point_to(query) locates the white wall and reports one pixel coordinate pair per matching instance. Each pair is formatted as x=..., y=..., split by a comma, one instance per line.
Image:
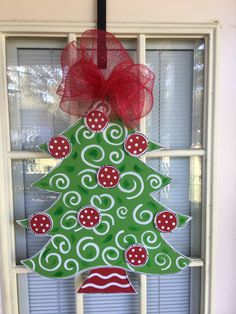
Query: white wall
x=176, y=11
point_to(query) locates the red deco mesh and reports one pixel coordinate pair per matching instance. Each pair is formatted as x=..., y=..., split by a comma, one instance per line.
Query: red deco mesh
x=127, y=87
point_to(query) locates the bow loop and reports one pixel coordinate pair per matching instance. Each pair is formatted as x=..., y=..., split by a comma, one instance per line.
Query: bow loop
x=127, y=87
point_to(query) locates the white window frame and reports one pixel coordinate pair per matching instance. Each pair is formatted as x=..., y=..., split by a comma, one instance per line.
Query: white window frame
x=210, y=33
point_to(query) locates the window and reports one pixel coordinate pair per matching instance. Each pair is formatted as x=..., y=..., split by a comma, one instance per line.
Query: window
x=178, y=121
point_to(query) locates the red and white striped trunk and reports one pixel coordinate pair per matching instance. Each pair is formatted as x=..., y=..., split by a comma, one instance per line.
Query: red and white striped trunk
x=107, y=280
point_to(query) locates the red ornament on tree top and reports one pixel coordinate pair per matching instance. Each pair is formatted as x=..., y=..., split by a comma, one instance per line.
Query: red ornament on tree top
x=96, y=120
x=108, y=177
x=136, y=255
x=89, y=217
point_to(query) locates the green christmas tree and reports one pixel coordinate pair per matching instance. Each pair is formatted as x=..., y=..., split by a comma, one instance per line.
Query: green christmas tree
x=105, y=215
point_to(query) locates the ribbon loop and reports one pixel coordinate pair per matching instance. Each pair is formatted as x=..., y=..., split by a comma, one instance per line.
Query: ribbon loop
x=127, y=87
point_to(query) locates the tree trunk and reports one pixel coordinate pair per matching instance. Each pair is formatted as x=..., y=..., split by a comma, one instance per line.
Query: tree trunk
x=107, y=280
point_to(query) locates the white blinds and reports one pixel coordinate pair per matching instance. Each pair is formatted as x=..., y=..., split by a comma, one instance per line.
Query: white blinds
x=32, y=80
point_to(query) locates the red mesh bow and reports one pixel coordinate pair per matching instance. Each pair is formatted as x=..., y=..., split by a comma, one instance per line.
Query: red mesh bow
x=126, y=86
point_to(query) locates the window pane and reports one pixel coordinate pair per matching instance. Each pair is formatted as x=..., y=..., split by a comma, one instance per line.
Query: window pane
x=176, y=119
x=34, y=73
x=183, y=195
x=172, y=293
x=38, y=295
x=28, y=200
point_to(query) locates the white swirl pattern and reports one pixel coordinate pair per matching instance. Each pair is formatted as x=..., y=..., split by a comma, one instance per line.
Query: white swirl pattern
x=164, y=261
x=82, y=247
x=155, y=181
x=137, y=181
x=106, y=255
x=150, y=240
x=85, y=133
x=138, y=215
x=60, y=180
x=71, y=199
x=88, y=178
x=122, y=212
x=116, y=134
x=99, y=200
x=69, y=220
x=117, y=157
x=95, y=162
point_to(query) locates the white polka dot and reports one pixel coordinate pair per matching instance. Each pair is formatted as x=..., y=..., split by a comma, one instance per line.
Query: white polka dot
x=102, y=175
x=99, y=114
x=115, y=177
x=108, y=176
x=159, y=221
x=140, y=149
x=91, y=223
x=47, y=225
x=90, y=120
x=63, y=141
x=36, y=229
x=93, y=126
x=111, y=183
x=51, y=146
x=85, y=211
x=96, y=217
x=82, y=216
x=129, y=147
x=59, y=147
x=41, y=225
x=113, y=170
x=106, y=169
x=166, y=221
x=104, y=183
x=164, y=216
x=133, y=250
x=96, y=120
x=130, y=255
x=88, y=217
x=66, y=147
x=91, y=211
x=84, y=222
x=139, y=261
x=55, y=141
x=102, y=119
x=135, y=152
x=173, y=223
x=93, y=114
x=168, y=228
x=171, y=217
x=136, y=144
x=143, y=142
x=34, y=225
x=99, y=126
x=162, y=227
x=35, y=219
x=56, y=153
x=132, y=261
x=137, y=137
x=136, y=255
x=140, y=250
x=43, y=230
x=131, y=140
x=63, y=153
x=143, y=256
x=44, y=218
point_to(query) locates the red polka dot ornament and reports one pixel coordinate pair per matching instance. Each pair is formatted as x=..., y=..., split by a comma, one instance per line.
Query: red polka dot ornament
x=136, y=255
x=89, y=217
x=40, y=223
x=136, y=144
x=59, y=147
x=108, y=177
x=96, y=120
x=166, y=221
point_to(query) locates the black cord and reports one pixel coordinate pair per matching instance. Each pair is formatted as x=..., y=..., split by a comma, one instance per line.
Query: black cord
x=101, y=40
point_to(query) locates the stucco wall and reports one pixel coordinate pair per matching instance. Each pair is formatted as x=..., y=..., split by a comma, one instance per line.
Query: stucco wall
x=176, y=11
